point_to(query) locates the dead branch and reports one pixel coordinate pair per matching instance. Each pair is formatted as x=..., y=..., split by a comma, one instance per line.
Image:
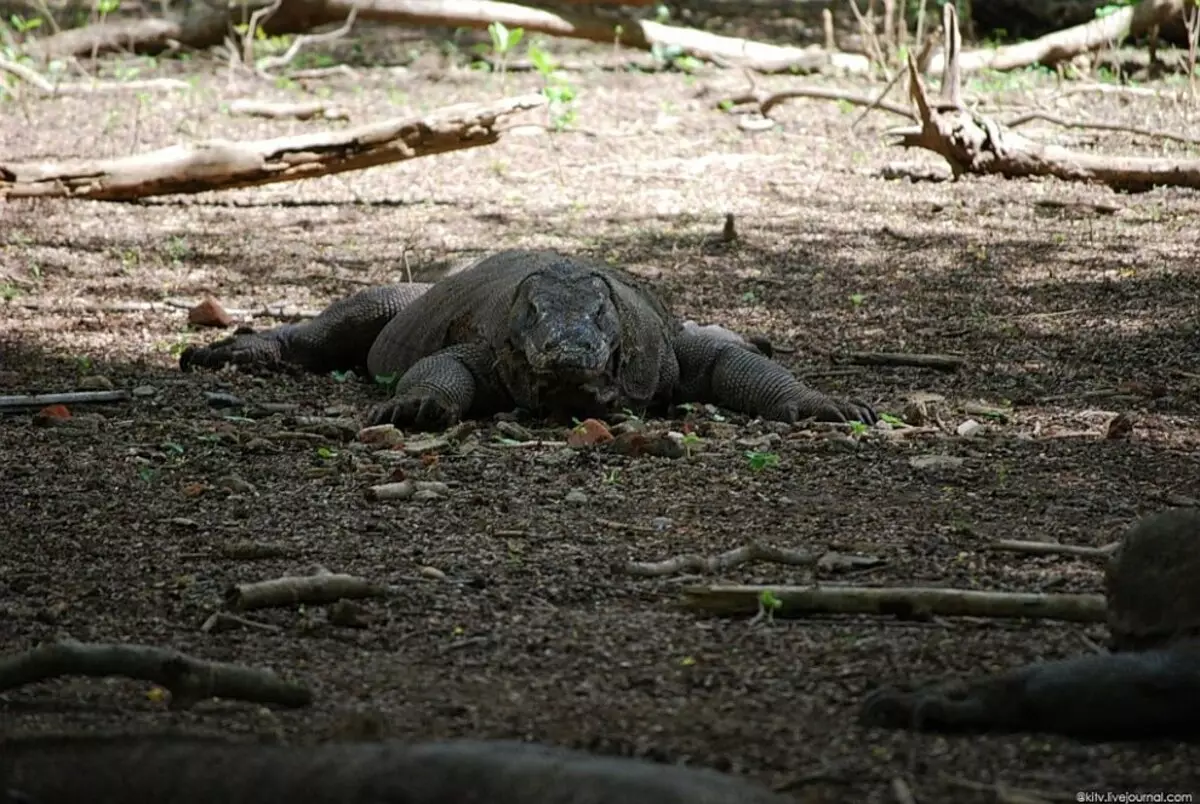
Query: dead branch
x=292, y=590
x=936, y=362
x=189, y=680
x=264, y=66
x=50, y=89
x=223, y=164
x=972, y=143
x=202, y=25
x=405, y=490
x=1054, y=548
x=66, y=398
x=905, y=603
x=224, y=621
x=700, y=565
x=1028, y=117
x=1066, y=44
x=275, y=110
x=169, y=305
x=765, y=101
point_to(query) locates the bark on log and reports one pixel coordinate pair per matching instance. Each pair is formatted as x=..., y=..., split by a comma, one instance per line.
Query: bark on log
x=199, y=25
x=222, y=164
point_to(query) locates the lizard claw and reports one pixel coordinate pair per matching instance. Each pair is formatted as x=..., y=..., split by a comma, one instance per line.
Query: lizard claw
x=244, y=348
x=426, y=410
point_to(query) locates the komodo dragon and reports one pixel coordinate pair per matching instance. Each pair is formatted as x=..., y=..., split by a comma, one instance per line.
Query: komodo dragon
x=1148, y=689
x=180, y=770
x=554, y=335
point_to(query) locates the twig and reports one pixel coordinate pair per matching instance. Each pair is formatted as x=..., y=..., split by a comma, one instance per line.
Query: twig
x=264, y=66
x=1054, y=548
x=766, y=101
x=50, y=89
x=700, y=565
x=224, y=621
x=323, y=72
x=614, y=525
x=257, y=18
x=304, y=110
x=189, y=680
x=906, y=603
x=937, y=362
x=67, y=398
x=1058, y=121
x=291, y=590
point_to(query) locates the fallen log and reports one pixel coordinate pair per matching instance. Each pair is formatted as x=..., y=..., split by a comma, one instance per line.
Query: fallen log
x=199, y=24
x=974, y=144
x=906, y=603
x=224, y=164
x=189, y=680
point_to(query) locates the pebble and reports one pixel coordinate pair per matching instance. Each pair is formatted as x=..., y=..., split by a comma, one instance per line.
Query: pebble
x=661, y=524
x=427, y=445
x=219, y=399
x=384, y=434
x=969, y=428
x=144, y=391
x=95, y=382
x=576, y=497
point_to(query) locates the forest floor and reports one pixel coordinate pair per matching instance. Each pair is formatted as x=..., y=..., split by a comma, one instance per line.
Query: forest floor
x=1070, y=303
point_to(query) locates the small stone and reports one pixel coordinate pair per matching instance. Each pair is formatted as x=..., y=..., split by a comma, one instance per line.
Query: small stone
x=589, y=433
x=209, y=313
x=576, y=497
x=346, y=614
x=95, y=382
x=661, y=524
x=514, y=431
x=237, y=484
x=52, y=415
x=935, y=462
x=220, y=399
x=432, y=573
x=427, y=445
x=144, y=391
x=969, y=428
x=425, y=495
x=628, y=426
x=383, y=434
x=719, y=431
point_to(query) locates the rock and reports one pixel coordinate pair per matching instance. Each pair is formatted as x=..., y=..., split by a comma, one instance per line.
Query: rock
x=408, y=490
x=433, y=573
x=514, y=431
x=209, y=313
x=935, y=462
x=969, y=429
x=52, y=415
x=95, y=382
x=589, y=433
x=425, y=495
x=720, y=431
x=382, y=434
x=427, y=445
x=661, y=524
x=143, y=391
x=221, y=399
x=576, y=497
x=236, y=484
x=638, y=444
x=1120, y=427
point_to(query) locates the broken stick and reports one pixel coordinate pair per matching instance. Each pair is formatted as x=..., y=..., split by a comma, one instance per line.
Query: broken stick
x=725, y=561
x=189, y=680
x=225, y=164
x=905, y=603
x=291, y=590
x=66, y=398
x=936, y=362
x=276, y=110
x=1054, y=548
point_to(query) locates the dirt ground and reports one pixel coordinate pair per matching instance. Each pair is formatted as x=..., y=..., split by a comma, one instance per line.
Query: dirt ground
x=1071, y=304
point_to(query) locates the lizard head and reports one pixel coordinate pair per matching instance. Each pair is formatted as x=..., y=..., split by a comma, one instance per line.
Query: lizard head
x=566, y=325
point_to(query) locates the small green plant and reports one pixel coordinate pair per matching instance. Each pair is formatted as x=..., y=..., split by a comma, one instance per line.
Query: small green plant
x=858, y=428
x=761, y=460
x=9, y=291
x=385, y=380
x=504, y=40
x=325, y=453
x=768, y=604
x=857, y=299
x=106, y=7
x=22, y=25
x=83, y=364
x=177, y=249
x=557, y=88
x=612, y=477
x=690, y=442
x=895, y=421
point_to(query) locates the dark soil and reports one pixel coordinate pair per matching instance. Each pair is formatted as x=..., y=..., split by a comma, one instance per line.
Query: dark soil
x=1071, y=303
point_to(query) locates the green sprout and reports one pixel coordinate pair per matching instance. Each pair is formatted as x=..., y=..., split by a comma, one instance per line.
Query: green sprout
x=761, y=460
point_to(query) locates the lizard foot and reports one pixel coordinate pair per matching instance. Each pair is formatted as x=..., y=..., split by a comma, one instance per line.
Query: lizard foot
x=244, y=348
x=939, y=706
x=424, y=409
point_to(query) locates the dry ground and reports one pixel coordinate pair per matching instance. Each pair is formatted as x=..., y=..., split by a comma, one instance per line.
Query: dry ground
x=1070, y=311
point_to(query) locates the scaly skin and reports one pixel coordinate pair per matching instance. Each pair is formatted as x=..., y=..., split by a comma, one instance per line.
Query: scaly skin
x=1118, y=696
x=177, y=770
x=554, y=335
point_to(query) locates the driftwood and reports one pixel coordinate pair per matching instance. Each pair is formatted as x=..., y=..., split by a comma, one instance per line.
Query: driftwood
x=725, y=561
x=972, y=143
x=324, y=587
x=198, y=24
x=1062, y=46
x=908, y=603
x=936, y=362
x=222, y=164
x=189, y=680
x=67, y=398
